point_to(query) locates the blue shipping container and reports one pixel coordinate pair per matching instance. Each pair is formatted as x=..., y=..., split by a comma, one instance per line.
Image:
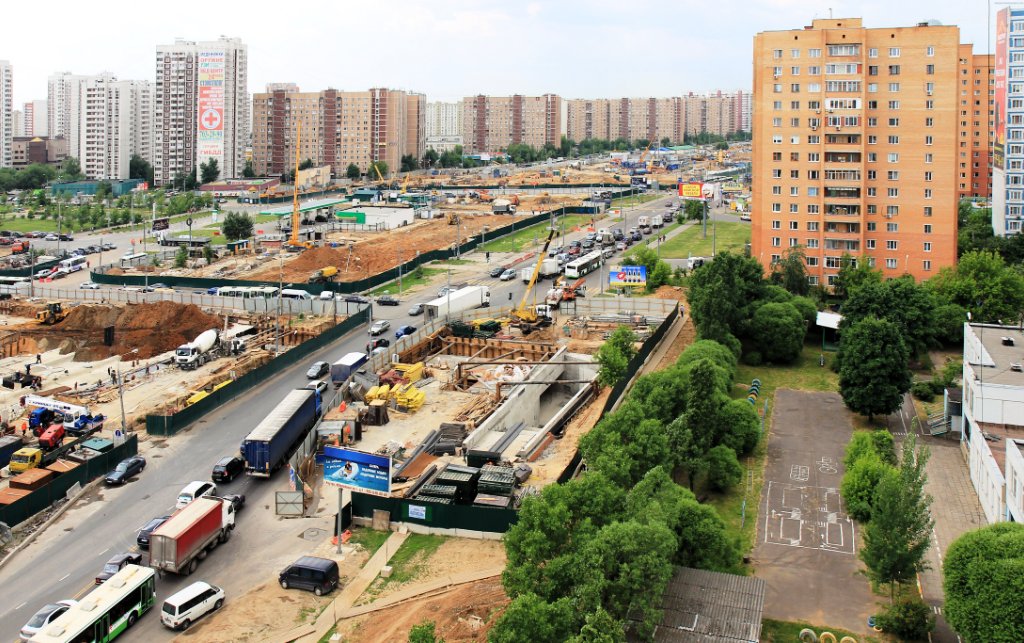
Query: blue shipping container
x=267, y=446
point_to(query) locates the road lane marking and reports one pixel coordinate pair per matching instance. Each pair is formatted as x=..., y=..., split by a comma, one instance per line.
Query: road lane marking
x=104, y=551
x=21, y=606
x=63, y=578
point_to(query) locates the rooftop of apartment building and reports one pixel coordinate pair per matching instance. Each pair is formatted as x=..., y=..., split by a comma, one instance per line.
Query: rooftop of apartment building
x=1003, y=363
x=855, y=23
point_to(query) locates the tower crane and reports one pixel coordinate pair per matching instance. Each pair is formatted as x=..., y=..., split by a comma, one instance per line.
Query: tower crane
x=293, y=241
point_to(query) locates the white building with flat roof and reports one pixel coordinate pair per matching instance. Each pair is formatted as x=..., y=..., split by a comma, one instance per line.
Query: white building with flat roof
x=6, y=112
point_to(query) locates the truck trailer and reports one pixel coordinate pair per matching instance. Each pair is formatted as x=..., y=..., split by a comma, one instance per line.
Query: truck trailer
x=344, y=367
x=457, y=302
x=178, y=544
x=549, y=269
x=267, y=447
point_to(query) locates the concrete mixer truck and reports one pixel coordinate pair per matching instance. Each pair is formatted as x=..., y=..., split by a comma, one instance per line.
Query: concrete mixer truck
x=207, y=346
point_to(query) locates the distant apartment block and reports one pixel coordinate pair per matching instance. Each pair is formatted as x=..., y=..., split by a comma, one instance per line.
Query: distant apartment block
x=201, y=107
x=17, y=123
x=656, y=119
x=444, y=119
x=977, y=123
x=337, y=128
x=491, y=123
x=29, y=150
x=1008, y=147
x=34, y=117
x=103, y=120
x=855, y=146
x=6, y=112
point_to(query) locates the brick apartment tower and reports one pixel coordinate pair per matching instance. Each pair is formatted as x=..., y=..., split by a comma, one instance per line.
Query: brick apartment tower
x=491, y=123
x=855, y=143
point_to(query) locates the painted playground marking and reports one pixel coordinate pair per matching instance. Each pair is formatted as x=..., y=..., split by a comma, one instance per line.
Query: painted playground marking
x=808, y=517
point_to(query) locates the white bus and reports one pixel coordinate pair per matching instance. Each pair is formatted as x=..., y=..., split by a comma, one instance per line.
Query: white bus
x=289, y=293
x=15, y=285
x=105, y=612
x=262, y=292
x=585, y=265
x=74, y=264
x=233, y=291
x=131, y=260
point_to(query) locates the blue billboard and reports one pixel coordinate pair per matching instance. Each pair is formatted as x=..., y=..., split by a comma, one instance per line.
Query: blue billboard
x=627, y=276
x=357, y=471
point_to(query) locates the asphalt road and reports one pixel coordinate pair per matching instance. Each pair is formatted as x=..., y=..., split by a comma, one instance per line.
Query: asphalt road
x=65, y=567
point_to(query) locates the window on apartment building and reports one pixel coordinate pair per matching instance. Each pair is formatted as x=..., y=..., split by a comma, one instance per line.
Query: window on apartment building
x=812, y=243
x=893, y=192
x=794, y=53
x=894, y=139
x=812, y=190
x=892, y=227
x=894, y=70
x=795, y=88
x=893, y=157
x=794, y=208
x=929, y=70
x=927, y=228
x=928, y=140
x=777, y=189
x=872, y=191
x=794, y=156
x=872, y=88
x=794, y=225
x=814, y=53
x=871, y=226
x=929, y=104
x=872, y=70
x=776, y=173
x=794, y=191
x=872, y=121
x=892, y=210
x=794, y=104
x=776, y=71
x=890, y=264
x=814, y=87
x=930, y=51
x=814, y=104
x=894, y=122
x=812, y=175
x=927, y=265
x=894, y=52
x=893, y=175
x=929, y=157
x=869, y=244
x=927, y=193
x=776, y=242
x=794, y=140
x=873, y=52
x=872, y=104
x=777, y=88
x=777, y=122
x=814, y=70
x=794, y=122
x=777, y=139
x=793, y=242
x=812, y=226
x=794, y=71
x=927, y=176
x=777, y=104
x=794, y=174
x=844, y=50
x=894, y=87
x=872, y=208
x=929, y=122
x=776, y=53
x=927, y=246
x=894, y=104
x=929, y=88
x=927, y=210
x=812, y=208
x=872, y=157
x=872, y=139
x=813, y=139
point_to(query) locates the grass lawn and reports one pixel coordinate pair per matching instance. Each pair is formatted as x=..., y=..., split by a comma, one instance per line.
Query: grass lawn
x=216, y=239
x=804, y=374
x=773, y=631
x=417, y=277
x=627, y=201
x=29, y=225
x=730, y=236
x=370, y=539
x=521, y=239
x=408, y=561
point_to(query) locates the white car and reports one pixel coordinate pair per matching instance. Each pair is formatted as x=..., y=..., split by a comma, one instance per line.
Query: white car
x=508, y=275
x=51, y=237
x=326, y=295
x=190, y=604
x=379, y=326
x=193, y=490
x=45, y=616
x=89, y=286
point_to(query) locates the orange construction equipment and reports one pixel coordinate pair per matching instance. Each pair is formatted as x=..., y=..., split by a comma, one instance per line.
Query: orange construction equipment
x=293, y=241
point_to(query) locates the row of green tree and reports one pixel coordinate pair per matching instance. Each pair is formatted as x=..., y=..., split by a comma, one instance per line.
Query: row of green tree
x=589, y=559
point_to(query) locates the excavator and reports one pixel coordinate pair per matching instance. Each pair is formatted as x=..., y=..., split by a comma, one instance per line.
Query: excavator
x=293, y=244
x=525, y=316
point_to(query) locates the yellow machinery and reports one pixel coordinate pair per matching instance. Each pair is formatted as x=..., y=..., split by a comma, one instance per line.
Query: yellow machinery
x=52, y=314
x=526, y=315
x=640, y=163
x=452, y=218
x=377, y=170
x=293, y=242
x=323, y=275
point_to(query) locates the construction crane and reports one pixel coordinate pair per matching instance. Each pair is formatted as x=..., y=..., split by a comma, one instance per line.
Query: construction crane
x=293, y=241
x=377, y=170
x=525, y=316
x=643, y=155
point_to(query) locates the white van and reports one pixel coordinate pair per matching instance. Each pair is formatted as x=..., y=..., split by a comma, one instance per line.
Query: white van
x=188, y=605
x=289, y=293
x=193, y=490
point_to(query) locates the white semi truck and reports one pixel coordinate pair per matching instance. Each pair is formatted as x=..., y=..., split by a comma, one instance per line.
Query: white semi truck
x=458, y=301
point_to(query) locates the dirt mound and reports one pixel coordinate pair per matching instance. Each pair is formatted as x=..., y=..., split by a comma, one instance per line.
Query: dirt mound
x=150, y=328
x=317, y=258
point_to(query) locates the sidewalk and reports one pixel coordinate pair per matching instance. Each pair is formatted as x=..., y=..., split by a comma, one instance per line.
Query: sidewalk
x=348, y=595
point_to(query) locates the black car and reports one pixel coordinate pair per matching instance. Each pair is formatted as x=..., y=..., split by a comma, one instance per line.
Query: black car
x=237, y=500
x=228, y=468
x=377, y=343
x=356, y=299
x=318, y=369
x=588, y=243
x=125, y=469
x=117, y=563
x=387, y=300
x=147, y=530
x=496, y=271
x=66, y=237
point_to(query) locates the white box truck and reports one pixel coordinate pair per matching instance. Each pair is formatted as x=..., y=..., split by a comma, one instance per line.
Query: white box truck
x=458, y=301
x=548, y=268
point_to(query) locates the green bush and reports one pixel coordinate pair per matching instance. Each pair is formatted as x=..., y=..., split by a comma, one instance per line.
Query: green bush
x=753, y=358
x=908, y=618
x=724, y=468
x=922, y=391
x=859, y=483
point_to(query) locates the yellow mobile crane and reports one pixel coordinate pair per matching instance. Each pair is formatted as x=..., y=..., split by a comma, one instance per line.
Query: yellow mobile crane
x=523, y=315
x=293, y=242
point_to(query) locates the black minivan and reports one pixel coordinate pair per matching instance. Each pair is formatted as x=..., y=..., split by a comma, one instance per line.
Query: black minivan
x=318, y=575
x=228, y=468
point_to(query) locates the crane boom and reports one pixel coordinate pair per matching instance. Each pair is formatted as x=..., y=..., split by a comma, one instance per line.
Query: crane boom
x=522, y=312
x=295, y=192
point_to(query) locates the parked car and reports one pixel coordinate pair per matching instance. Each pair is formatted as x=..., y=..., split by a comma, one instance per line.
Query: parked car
x=607, y=252
x=227, y=468
x=378, y=350
x=590, y=236
x=326, y=295
x=637, y=236
x=575, y=251
x=44, y=617
x=508, y=275
x=744, y=217
x=443, y=291
x=318, y=369
x=66, y=237
x=319, y=575
x=160, y=285
x=108, y=246
x=142, y=539
x=356, y=299
x=126, y=469
x=89, y=286
x=404, y=330
x=59, y=273
x=387, y=300
x=417, y=309
x=618, y=234
x=51, y=237
x=377, y=343
x=555, y=251
x=193, y=490
x=497, y=270
x=379, y=326
x=190, y=604
x=117, y=563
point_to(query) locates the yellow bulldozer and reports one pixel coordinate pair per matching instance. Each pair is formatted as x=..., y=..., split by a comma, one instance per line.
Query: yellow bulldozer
x=452, y=218
x=52, y=314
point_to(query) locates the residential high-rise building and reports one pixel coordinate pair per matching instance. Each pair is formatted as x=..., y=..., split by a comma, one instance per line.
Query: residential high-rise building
x=201, y=108
x=656, y=119
x=1008, y=142
x=35, y=117
x=6, y=115
x=17, y=123
x=491, y=123
x=103, y=120
x=976, y=93
x=338, y=128
x=855, y=146
x=444, y=119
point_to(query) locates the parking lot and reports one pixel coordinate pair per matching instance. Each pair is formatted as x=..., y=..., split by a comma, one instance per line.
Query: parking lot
x=806, y=544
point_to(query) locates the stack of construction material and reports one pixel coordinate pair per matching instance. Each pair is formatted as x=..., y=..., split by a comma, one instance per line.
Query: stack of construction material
x=462, y=478
x=495, y=480
x=450, y=436
x=376, y=414
x=377, y=393
x=408, y=398
x=410, y=372
x=446, y=493
x=437, y=500
x=488, y=500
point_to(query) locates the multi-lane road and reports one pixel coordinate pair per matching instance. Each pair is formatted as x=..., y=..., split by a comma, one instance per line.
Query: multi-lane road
x=63, y=561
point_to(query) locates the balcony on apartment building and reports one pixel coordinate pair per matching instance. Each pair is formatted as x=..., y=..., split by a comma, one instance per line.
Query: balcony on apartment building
x=850, y=210
x=840, y=141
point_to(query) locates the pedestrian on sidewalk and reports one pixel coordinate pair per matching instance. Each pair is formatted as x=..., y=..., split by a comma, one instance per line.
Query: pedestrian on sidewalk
x=39, y=358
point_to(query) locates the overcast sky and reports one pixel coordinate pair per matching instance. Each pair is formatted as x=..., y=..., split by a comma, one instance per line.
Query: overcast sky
x=446, y=49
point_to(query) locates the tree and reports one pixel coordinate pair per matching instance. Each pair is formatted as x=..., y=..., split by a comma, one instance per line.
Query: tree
x=210, y=171
x=140, y=168
x=375, y=167
x=874, y=375
x=666, y=141
x=859, y=484
x=190, y=181
x=409, y=163
x=614, y=356
x=237, y=225
x=902, y=301
x=600, y=627
x=778, y=331
x=430, y=157
x=352, y=172
x=722, y=293
x=983, y=583
x=181, y=257
x=983, y=284
x=306, y=164
x=791, y=272
x=71, y=170
x=424, y=633
x=104, y=189
x=249, y=171
x=694, y=209
x=724, y=468
x=722, y=145
x=853, y=273
x=897, y=537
